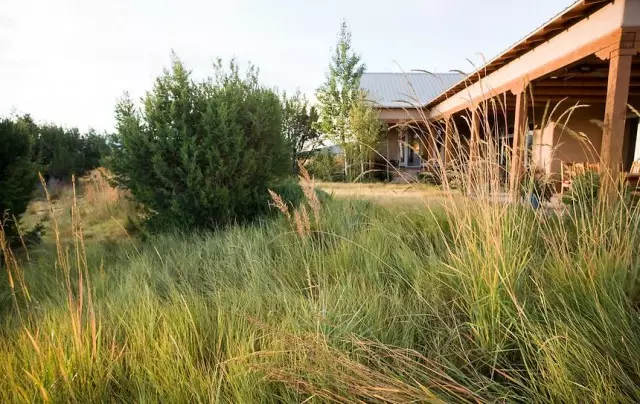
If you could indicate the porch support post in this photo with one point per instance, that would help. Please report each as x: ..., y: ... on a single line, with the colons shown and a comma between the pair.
x: 472, y: 174
x: 519, y: 127
x: 446, y: 157
x: 475, y: 134
x: 447, y: 142
x: 614, y: 119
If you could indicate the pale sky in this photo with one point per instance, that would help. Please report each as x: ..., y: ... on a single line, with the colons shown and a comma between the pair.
x: 68, y: 61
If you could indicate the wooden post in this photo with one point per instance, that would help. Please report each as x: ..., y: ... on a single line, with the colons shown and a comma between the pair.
x: 519, y: 127
x: 472, y: 167
x: 447, y: 142
x: 446, y: 157
x: 614, y: 120
x: 475, y: 135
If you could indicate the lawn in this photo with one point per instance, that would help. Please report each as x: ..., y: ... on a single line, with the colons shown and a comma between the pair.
x: 459, y: 303
x: 389, y: 195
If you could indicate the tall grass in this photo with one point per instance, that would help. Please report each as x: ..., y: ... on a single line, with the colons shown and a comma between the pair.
x: 341, y: 301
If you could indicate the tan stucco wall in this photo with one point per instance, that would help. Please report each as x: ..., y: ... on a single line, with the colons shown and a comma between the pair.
x: 388, y: 148
x: 568, y: 147
x: 576, y: 138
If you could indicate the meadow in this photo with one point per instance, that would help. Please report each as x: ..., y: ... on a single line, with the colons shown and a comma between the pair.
x: 345, y: 300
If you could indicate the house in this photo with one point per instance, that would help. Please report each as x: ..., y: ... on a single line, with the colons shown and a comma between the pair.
x: 586, y: 55
x: 400, y: 99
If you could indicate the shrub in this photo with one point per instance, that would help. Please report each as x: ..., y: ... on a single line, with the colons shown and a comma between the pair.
x: 200, y: 154
x: 584, y: 190
x: 18, y: 173
x: 324, y: 167
x: 537, y: 187
x: 291, y: 192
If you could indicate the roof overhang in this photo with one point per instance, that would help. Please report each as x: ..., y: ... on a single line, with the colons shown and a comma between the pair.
x: 583, y: 29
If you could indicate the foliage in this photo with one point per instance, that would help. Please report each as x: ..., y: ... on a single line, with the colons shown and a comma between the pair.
x: 323, y: 166
x: 584, y: 190
x: 18, y: 172
x: 291, y: 193
x: 339, y: 92
x: 537, y: 185
x: 367, y: 130
x: 299, y: 125
x: 63, y: 152
x: 201, y: 154
x: 518, y: 308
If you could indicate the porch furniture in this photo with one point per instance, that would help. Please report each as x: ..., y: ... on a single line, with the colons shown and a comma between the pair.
x: 633, y: 176
x: 595, y: 167
x: 568, y: 173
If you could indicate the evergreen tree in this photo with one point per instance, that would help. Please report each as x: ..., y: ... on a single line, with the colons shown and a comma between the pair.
x: 339, y: 92
x: 200, y: 154
x: 299, y: 125
x: 18, y: 172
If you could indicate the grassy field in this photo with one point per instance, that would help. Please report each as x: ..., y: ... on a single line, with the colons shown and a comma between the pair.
x: 355, y: 302
x: 388, y: 195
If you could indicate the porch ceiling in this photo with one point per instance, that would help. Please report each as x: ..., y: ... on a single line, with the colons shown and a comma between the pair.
x: 584, y: 81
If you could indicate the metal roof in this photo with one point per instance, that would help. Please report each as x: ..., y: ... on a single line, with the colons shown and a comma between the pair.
x: 406, y: 90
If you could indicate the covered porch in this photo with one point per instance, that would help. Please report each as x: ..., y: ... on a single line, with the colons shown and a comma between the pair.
x: 558, y: 96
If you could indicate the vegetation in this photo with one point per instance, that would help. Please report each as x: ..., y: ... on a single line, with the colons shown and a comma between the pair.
x: 324, y: 167
x: 300, y: 127
x: 201, y: 155
x: 367, y: 131
x: 368, y: 304
x: 65, y: 152
x: 340, y: 92
x: 18, y: 173
x: 443, y: 298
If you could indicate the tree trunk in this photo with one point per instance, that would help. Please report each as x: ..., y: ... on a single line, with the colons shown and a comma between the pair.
x: 294, y: 163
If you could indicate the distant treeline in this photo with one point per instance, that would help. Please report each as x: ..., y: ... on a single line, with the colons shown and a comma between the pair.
x: 61, y: 152
x: 27, y: 148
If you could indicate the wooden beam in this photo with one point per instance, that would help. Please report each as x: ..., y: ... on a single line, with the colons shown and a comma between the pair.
x: 614, y: 120
x: 519, y: 128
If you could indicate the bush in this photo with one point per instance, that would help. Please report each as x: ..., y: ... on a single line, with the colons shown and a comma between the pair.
x: 324, y: 167
x: 584, y: 190
x: 200, y: 154
x: 18, y: 173
x: 291, y: 192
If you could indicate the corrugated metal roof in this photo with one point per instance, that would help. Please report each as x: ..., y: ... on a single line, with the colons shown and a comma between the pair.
x: 405, y: 90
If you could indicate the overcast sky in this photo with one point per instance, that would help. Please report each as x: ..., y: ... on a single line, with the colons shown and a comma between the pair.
x: 68, y: 61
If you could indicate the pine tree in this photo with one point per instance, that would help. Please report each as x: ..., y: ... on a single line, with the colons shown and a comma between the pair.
x: 339, y: 92
x: 200, y: 154
x: 18, y: 172
x: 299, y: 125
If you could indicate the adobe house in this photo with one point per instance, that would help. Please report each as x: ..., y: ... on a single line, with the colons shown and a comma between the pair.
x: 400, y: 99
x: 587, y: 55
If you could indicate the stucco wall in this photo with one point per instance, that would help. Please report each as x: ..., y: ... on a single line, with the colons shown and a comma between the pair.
x: 580, y: 141
x: 388, y: 148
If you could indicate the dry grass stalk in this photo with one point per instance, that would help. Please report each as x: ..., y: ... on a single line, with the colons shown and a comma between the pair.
x: 309, y: 189
x: 280, y: 204
x: 300, y: 220
x: 65, y: 262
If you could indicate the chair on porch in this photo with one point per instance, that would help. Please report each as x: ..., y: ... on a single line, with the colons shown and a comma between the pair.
x: 567, y: 172
x: 595, y: 167
x: 633, y: 178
